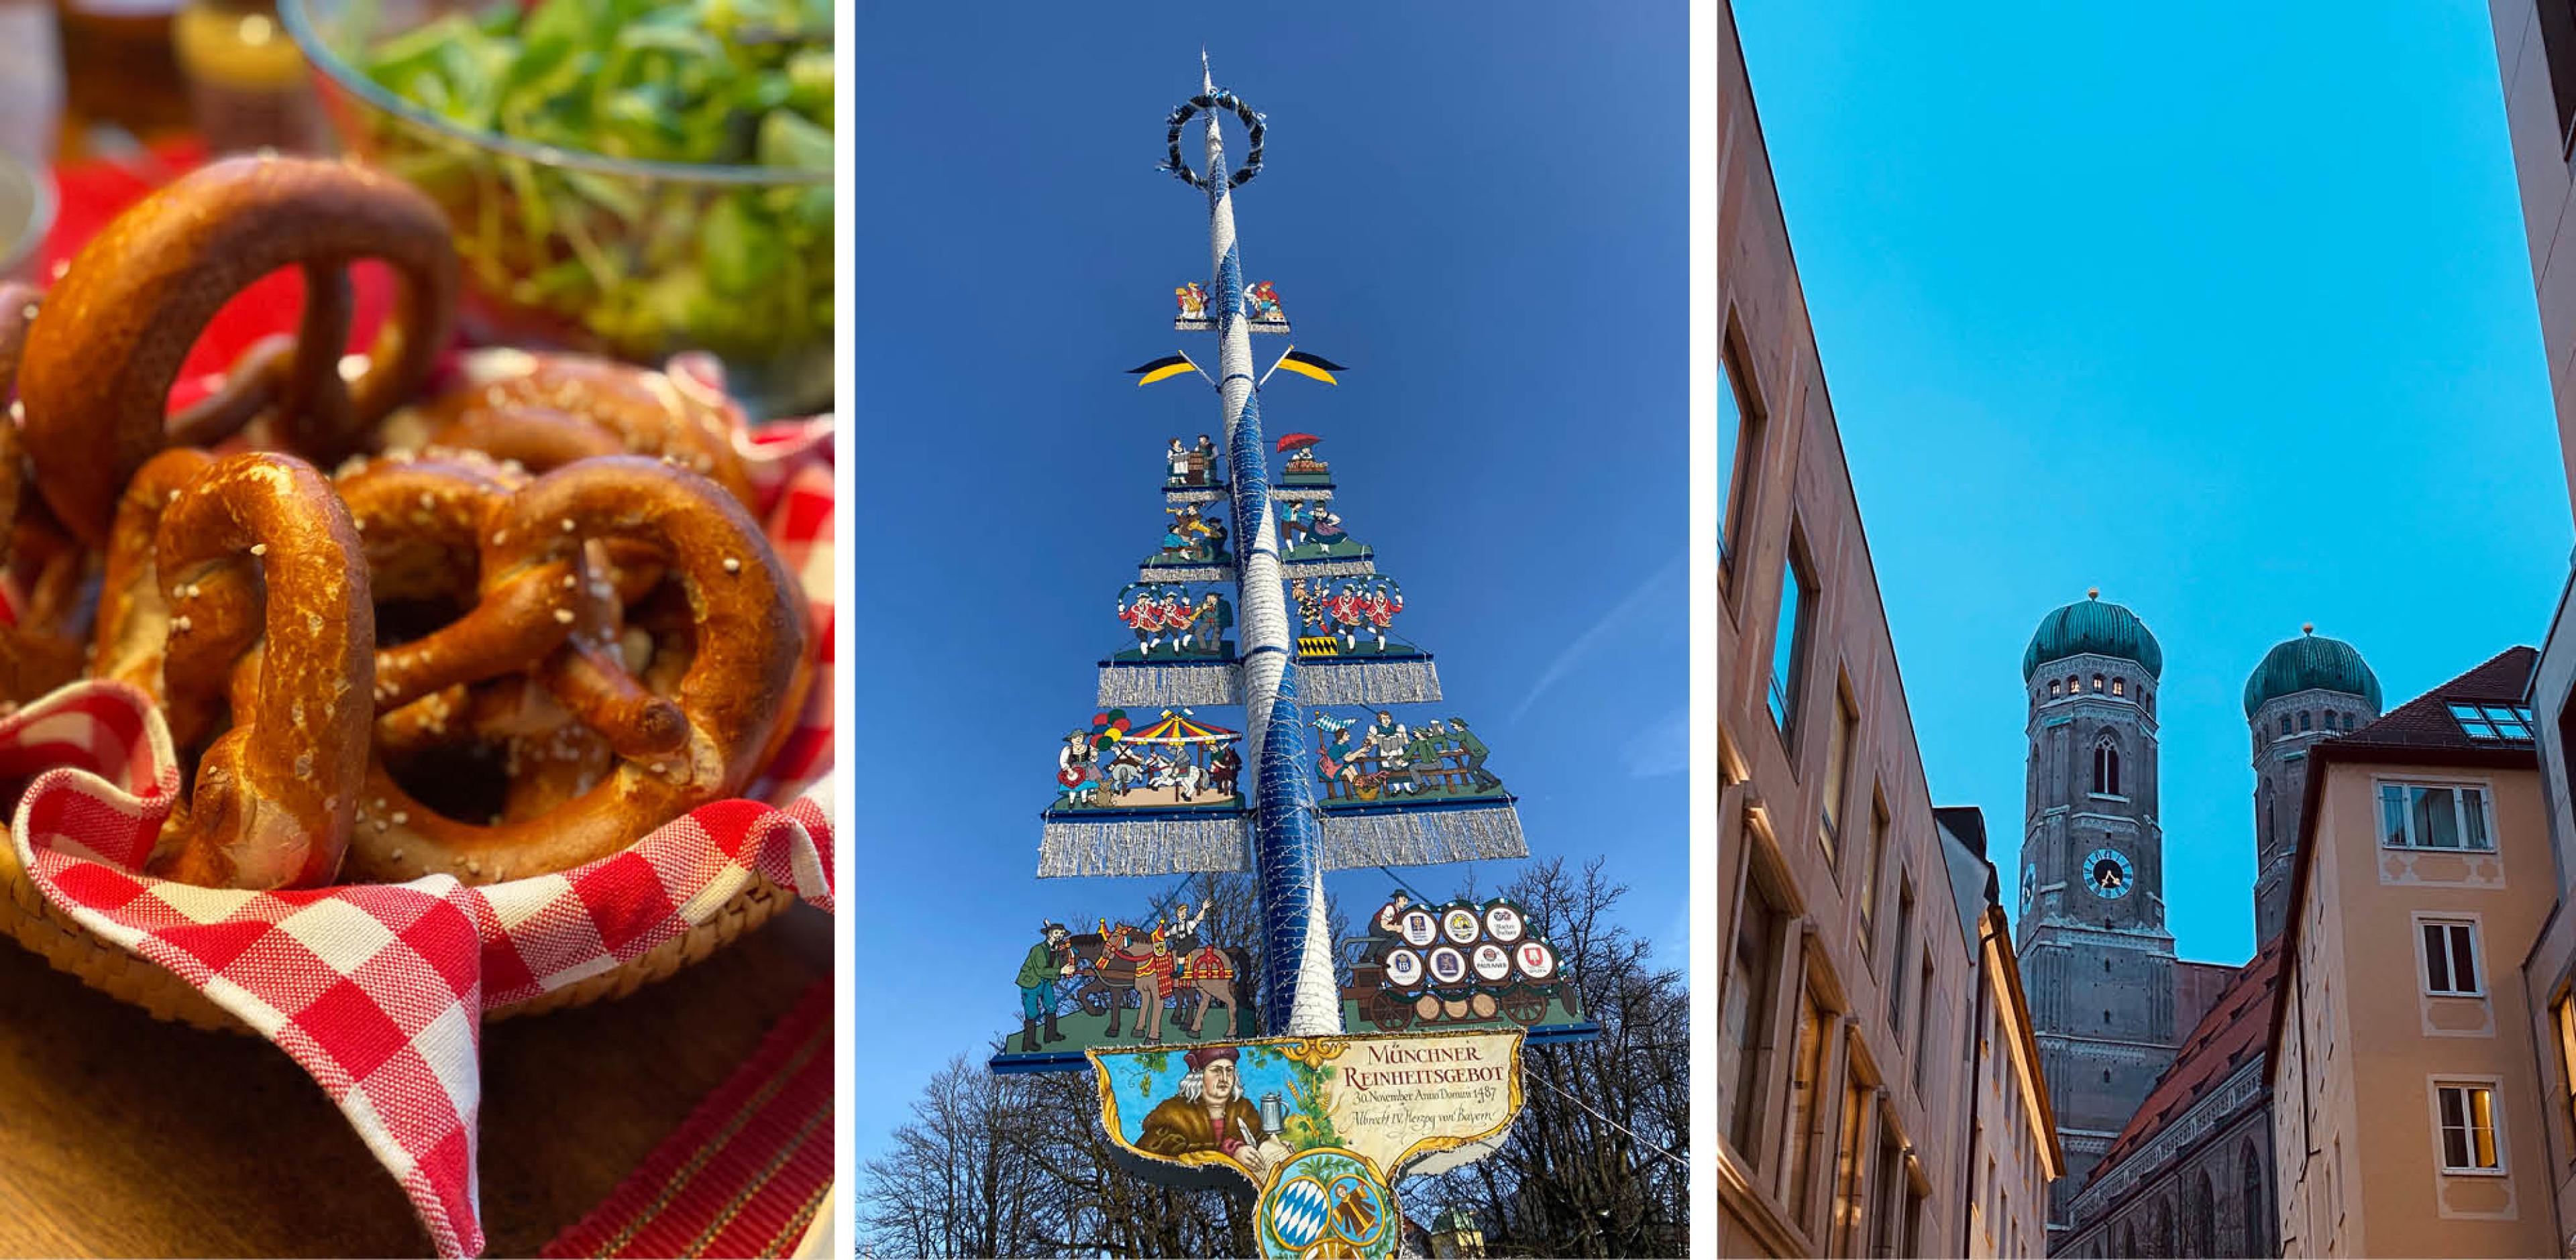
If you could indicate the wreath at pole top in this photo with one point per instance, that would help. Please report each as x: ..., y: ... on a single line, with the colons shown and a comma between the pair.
x: 1252, y: 125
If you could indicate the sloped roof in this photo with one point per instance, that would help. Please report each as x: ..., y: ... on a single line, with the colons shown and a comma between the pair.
x: 2426, y: 721
x: 2231, y: 1033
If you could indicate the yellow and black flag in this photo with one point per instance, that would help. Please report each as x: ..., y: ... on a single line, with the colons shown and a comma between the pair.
x: 1314, y: 365
x: 1162, y: 369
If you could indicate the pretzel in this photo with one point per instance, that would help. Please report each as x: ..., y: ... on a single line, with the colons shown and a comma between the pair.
x: 547, y: 410
x: 740, y: 673
x: 424, y: 518
x: 119, y: 324
x: 266, y: 598
x: 34, y: 659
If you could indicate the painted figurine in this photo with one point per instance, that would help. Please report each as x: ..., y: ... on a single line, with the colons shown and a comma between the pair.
x: 1049, y: 960
x: 1265, y: 302
x: 1193, y: 300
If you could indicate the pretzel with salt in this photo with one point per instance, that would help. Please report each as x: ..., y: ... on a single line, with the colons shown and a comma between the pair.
x: 547, y: 410
x: 267, y: 607
x: 744, y: 677
x: 117, y: 326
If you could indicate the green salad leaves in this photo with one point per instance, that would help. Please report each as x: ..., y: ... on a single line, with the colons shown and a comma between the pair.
x: 646, y: 265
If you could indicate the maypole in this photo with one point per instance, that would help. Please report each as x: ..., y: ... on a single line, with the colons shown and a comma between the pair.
x: 1337, y: 1091
x: 1298, y: 996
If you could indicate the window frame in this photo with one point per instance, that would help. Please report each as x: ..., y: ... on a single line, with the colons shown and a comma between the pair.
x: 1842, y: 746
x: 1801, y: 598
x: 1752, y: 425
x: 2493, y: 1087
x: 2456, y: 928
x: 2379, y: 787
x: 2491, y: 722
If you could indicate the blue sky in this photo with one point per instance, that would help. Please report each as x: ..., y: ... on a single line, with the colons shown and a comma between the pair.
x: 1485, y: 219
x: 2224, y: 308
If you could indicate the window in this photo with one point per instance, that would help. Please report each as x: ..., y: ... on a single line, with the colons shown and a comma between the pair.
x: 2106, y: 769
x: 2566, y: 1017
x: 2558, y: 47
x: 1746, y: 1017
x: 2433, y: 816
x: 1923, y: 1023
x: 1806, y: 1085
x: 1875, y: 854
x: 2119, y: 686
x: 2097, y: 682
x: 2494, y: 723
x: 2074, y: 685
x: 2467, y: 1116
x: 1789, y: 644
x: 1837, y: 775
x: 2249, y: 1200
x: 2055, y: 687
x: 1739, y: 451
x: 2147, y: 701
x: 2285, y: 723
x: 1848, y: 1207
x: 2450, y: 957
x: 2307, y: 720
x: 1904, y: 928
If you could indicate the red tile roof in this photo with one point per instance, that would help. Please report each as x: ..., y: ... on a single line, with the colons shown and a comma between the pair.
x: 2231, y: 1033
x: 2426, y: 721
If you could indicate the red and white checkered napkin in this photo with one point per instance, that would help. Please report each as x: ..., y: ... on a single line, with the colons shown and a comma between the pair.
x: 378, y: 990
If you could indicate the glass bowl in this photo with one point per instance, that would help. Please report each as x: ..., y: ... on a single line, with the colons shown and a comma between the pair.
x: 581, y: 251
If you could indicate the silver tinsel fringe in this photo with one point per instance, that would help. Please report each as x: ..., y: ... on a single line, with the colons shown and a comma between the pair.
x: 1355, y: 566
x: 1360, y: 680
x: 1301, y: 494
x: 1422, y: 836
x: 1175, y: 684
x: 1105, y: 844
x: 1193, y: 494
x: 1184, y: 573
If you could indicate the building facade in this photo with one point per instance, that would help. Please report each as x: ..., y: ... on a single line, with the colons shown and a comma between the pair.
x: 2012, y: 1135
x: 1846, y: 983
x: 2536, y: 64
x: 2423, y: 870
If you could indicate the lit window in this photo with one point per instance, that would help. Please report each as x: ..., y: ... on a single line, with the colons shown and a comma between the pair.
x: 1837, y: 776
x: 2567, y: 1051
x: 2468, y: 1128
x: 2433, y: 816
x: 2489, y: 723
x: 2119, y: 686
x: 2450, y: 958
x: 2097, y: 682
x: 2055, y: 687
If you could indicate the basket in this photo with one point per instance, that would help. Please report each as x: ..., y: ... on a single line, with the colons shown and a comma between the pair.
x: 103, y: 965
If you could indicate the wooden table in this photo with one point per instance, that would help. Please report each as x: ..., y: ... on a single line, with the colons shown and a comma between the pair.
x: 122, y: 1135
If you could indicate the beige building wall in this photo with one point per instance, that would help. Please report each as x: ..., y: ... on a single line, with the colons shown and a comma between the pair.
x: 2363, y: 1047
x: 1845, y: 975
x: 2013, y: 1153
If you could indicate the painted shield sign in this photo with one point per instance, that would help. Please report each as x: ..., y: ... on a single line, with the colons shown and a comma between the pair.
x: 1420, y: 929
x: 1328, y: 1202
x: 1403, y: 968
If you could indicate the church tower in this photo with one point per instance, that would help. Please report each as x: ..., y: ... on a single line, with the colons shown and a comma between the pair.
x: 2096, y: 958
x: 2305, y: 690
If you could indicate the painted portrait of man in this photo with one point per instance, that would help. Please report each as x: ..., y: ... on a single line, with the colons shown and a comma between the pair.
x: 1209, y: 1113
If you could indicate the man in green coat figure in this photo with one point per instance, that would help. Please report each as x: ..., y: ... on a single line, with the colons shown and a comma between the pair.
x: 1475, y: 750
x: 1038, y: 975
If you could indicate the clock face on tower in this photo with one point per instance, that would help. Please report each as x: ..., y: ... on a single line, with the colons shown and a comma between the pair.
x: 2108, y: 873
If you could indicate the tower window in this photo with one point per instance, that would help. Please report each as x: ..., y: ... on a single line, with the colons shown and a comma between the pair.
x: 2074, y: 685
x: 2055, y: 687
x: 2106, y: 770
x: 2306, y: 720
x: 2097, y: 682
x: 2119, y: 686
x: 2285, y: 723
x: 2147, y: 700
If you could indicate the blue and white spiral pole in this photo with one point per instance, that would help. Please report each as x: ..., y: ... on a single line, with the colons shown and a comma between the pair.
x: 1299, y: 996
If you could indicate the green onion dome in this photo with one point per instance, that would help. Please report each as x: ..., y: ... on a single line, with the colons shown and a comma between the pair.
x: 2308, y: 663
x: 2095, y: 628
